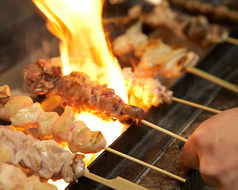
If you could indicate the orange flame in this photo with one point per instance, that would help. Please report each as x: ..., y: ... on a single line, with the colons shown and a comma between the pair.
x: 83, y: 47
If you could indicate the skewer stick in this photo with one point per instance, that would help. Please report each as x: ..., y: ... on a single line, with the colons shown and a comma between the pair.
x: 163, y: 130
x: 116, y: 19
x: 145, y: 164
x: 232, y: 40
x: 195, y: 105
x: 211, y: 78
x: 118, y: 183
x: 127, y: 18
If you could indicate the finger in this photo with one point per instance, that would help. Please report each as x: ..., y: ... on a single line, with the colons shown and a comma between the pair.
x: 191, y: 159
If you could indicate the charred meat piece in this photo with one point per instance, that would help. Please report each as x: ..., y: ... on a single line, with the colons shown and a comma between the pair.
x: 4, y: 94
x: 222, y: 14
x: 79, y: 92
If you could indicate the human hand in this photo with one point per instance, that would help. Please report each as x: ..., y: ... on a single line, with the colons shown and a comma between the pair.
x: 213, y: 149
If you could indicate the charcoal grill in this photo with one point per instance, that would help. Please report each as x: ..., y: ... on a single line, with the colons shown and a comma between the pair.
x: 25, y: 41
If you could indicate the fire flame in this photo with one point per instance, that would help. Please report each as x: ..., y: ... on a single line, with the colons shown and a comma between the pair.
x: 83, y: 47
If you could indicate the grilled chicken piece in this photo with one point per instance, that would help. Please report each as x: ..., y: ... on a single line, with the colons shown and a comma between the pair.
x: 79, y: 92
x: 12, y: 105
x: 13, y: 178
x: 155, y: 56
x: 158, y: 57
x: 127, y: 42
x: 64, y: 129
x: 145, y: 92
x: 45, y: 158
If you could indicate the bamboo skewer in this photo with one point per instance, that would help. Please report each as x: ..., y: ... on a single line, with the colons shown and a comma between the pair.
x: 52, y: 102
x: 195, y: 105
x: 211, y: 78
x: 145, y: 164
x: 116, y: 19
x: 163, y: 130
x: 118, y: 183
x: 232, y: 40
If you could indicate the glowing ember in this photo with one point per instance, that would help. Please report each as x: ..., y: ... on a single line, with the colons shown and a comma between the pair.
x: 83, y: 47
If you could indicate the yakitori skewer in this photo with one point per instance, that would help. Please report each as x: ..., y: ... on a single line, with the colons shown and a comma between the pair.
x: 185, y: 26
x: 127, y: 18
x: 51, y: 161
x: 220, y: 13
x: 147, y: 92
x: 157, y: 57
x: 80, y: 92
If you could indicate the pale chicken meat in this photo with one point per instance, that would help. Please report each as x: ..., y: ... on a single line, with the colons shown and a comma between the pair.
x: 126, y: 43
x: 155, y: 56
x: 12, y: 105
x: 45, y: 158
x: 145, y: 92
x: 44, y: 123
x: 13, y: 178
x: 27, y: 115
x: 168, y: 60
x: 64, y: 129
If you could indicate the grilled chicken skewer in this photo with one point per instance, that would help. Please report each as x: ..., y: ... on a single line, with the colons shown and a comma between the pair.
x: 147, y: 92
x: 45, y: 158
x: 195, y: 28
x: 23, y: 114
x: 220, y: 13
x: 79, y: 92
x: 158, y: 57
x: 154, y: 55
x: 48, y: 160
